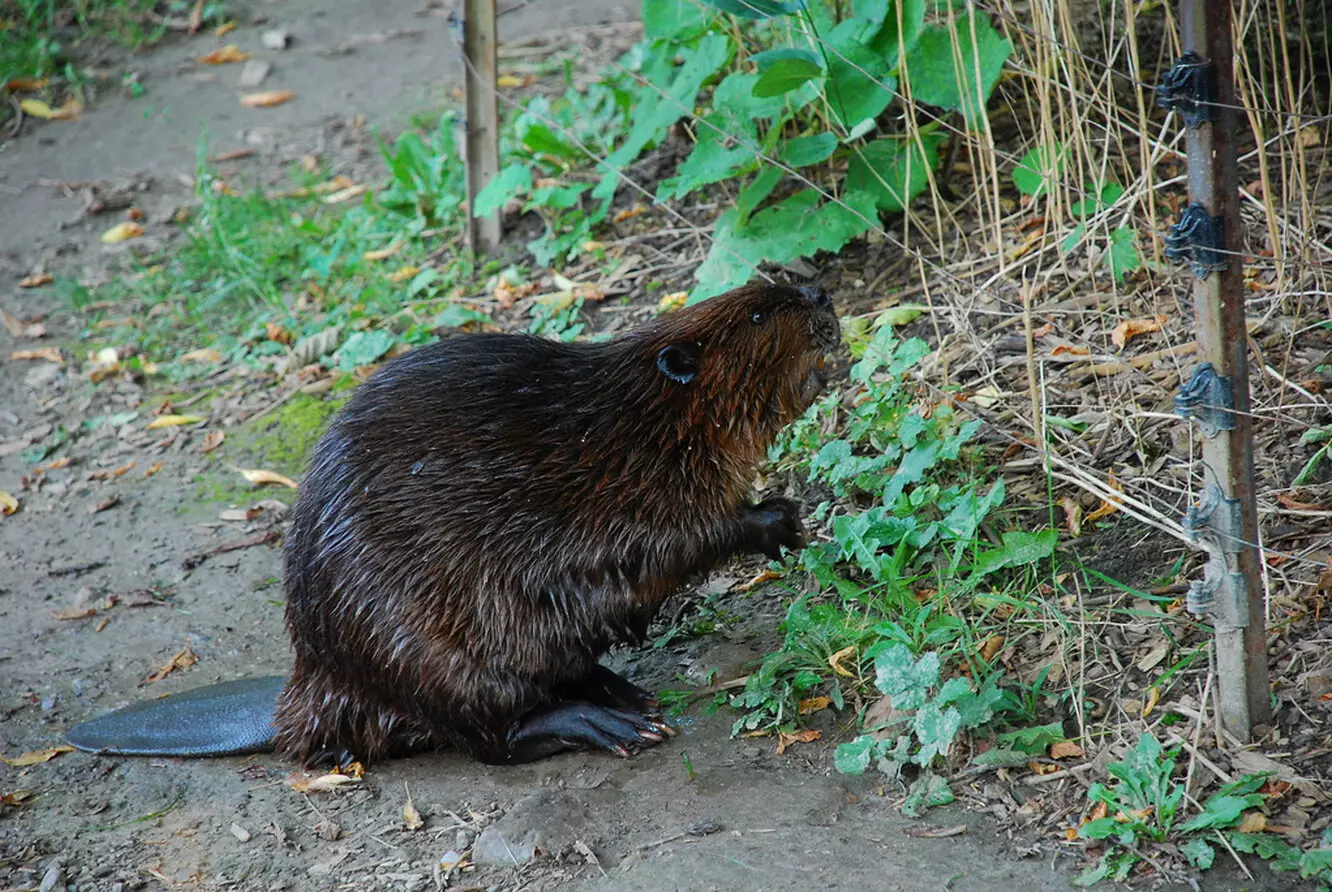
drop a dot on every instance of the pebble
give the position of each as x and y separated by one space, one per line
275 38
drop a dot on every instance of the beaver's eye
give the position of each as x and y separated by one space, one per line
758 317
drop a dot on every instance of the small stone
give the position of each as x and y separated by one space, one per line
240 832
275 38
253 73
544 822
53 878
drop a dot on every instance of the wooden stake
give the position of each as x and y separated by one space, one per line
480 49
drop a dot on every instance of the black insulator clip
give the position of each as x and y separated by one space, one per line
1200 239
1190 88
1209 399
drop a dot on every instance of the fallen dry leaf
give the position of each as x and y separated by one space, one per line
991 647
322 784
11 322
935 832
212 440
36 281
174 421
17 798
346 194
673 301
260 477
410 816
184 659
629 213
1072 515
49 354
403 274
1153 698
785 739
196 16
112 473
1254 822
1065 749
156 466
813 704
8 504
21 84
223 55
36 757
74 613
511 80
266 98
225 28
1070 350
38 109
1131 328
104 504
122 232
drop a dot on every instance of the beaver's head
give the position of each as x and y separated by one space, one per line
752 357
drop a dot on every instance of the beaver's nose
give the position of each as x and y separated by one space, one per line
816 296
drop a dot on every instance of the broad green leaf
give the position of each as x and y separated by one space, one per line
510 182
1035 740
1281 854
1018 549
936 729
859 86
1038 170
363 348
555 198
675 20
798 226
1074 238
456 315
1098 198
657 112
1122 256
897 37
958 73
757 190
1000 757
926 791
806 150
784 75
1222 811
755 9
894 171
905 679
854 757
1199 853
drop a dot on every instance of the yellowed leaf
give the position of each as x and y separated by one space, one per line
629 213
74 613
1072 515
224 29
1153 698
1107 507
38 109
223 55
382 253
205 354
212 440
17 798
673 301
991 646
49 354
153 469
8 504
174 421
346 194
1310 136
122 232
260 477
835 661
266 98
196 16
1254 822
1131 328
36 281
36 757
511 80
403 274
1070 350
987 397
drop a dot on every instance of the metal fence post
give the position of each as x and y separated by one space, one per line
1225 522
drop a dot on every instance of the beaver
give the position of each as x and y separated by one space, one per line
489 514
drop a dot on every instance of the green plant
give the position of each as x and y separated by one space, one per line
784 87
1142 805
931 717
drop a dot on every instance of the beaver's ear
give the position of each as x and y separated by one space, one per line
679 362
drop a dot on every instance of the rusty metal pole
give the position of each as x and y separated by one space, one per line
481 52
1225 522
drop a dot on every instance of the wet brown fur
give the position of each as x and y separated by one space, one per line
489 514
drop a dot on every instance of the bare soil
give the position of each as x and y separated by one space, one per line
703 811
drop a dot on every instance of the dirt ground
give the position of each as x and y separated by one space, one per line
703 811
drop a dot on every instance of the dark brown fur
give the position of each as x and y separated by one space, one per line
488 515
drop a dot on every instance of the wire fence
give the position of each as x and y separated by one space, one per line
1029 326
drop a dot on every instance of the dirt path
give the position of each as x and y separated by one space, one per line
701 812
